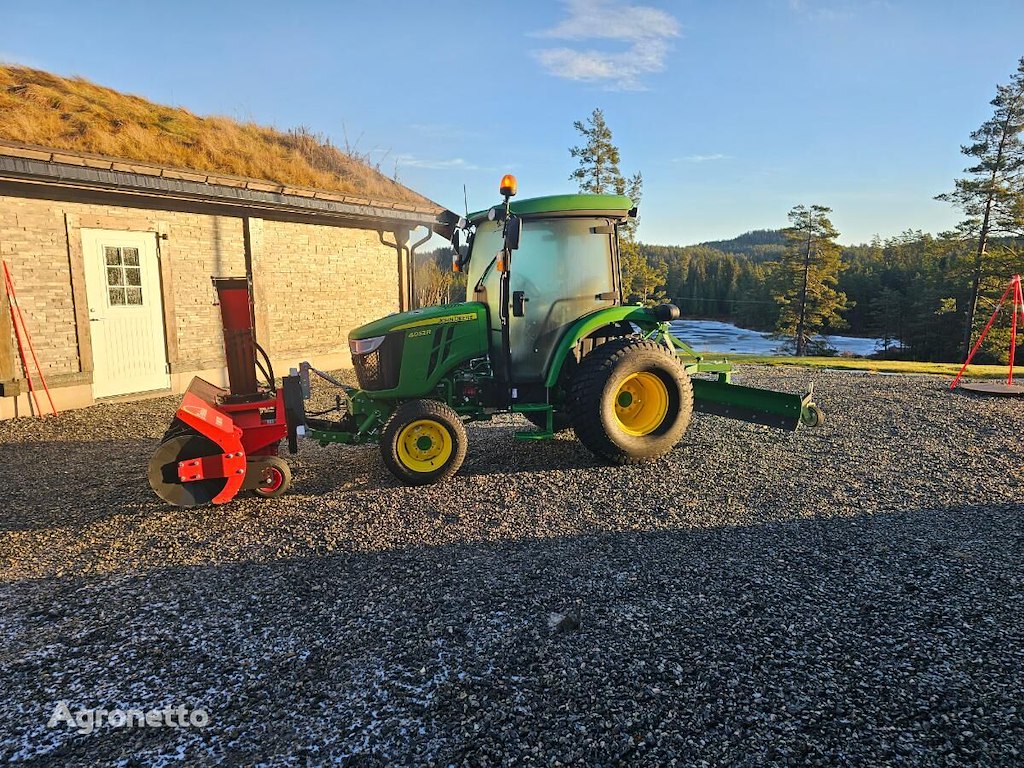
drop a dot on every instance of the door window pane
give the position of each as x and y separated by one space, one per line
124 276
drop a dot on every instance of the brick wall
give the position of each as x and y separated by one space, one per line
312 283
33 242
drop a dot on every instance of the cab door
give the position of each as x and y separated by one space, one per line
562 271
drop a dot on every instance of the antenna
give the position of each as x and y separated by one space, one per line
465 199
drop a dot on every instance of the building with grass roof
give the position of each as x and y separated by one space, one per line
115 213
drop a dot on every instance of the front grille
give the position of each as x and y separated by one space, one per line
381 368
368 370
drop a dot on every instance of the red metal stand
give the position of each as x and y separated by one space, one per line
13 296
1013 288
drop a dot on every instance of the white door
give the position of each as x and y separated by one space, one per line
126 316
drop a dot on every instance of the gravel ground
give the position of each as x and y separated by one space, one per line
849 595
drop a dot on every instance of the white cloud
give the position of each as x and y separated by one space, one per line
645 31
701 158
455 163
830 10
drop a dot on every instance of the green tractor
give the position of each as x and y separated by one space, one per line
545 334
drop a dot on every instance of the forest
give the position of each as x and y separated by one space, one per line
905 290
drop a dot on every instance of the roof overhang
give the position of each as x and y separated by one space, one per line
53 174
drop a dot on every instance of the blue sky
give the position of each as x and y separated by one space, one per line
733 111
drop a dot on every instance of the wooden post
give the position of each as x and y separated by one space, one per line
8 367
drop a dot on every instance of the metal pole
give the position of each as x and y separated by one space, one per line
9 281
982 337
1013 328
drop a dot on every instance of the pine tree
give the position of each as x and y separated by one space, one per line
806 276
992 196
598 174
642 277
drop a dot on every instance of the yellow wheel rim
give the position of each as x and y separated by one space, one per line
424 446
641 403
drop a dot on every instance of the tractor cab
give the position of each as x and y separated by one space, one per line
566 266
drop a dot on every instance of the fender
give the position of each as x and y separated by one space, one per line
587 324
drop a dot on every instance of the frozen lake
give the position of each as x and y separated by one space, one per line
716 336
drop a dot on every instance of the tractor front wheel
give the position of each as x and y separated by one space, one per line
631 401
424 442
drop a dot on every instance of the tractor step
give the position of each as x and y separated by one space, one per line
536 434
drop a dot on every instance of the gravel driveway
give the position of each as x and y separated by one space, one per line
850 595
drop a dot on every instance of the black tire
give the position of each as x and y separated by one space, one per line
813 416
603 378
279 478
440 457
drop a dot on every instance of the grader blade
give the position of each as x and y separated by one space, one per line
759 406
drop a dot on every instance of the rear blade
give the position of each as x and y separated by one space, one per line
759 406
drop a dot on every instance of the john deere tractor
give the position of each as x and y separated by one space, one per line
545 334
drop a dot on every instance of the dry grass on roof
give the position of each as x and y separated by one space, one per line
77 115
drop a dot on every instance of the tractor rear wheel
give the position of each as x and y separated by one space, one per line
631 401
424 442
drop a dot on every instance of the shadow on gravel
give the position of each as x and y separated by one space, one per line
47 484
891 639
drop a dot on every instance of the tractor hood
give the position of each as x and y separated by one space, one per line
420 318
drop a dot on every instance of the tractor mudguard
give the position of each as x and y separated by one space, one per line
641 316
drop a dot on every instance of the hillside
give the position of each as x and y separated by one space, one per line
759 244
77 115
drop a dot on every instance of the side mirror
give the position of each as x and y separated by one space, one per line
513 231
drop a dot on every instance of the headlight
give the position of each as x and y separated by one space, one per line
365 346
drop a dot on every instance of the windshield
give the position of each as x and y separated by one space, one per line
486 243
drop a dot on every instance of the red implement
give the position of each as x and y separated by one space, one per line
226 440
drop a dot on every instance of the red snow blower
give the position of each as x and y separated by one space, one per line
223 441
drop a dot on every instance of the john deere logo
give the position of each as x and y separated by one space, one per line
456 318
438 321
